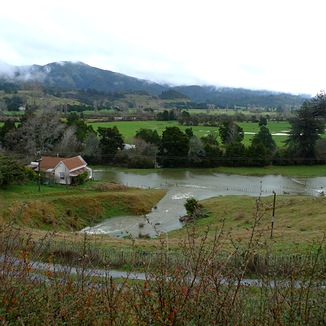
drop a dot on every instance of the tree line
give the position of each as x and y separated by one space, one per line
46 133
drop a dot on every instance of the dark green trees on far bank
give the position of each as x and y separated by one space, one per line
111 141
46 133
174 148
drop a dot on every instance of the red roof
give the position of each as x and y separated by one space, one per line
49 162
76 172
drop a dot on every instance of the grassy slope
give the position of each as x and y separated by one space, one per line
73 208
298 220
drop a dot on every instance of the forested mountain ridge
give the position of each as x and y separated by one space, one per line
227 96
77 75
80 76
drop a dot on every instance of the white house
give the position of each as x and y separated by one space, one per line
61 169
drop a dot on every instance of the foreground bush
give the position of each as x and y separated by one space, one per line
201 287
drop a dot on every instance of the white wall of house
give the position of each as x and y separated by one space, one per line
61 174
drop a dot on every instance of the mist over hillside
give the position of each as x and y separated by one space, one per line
78 75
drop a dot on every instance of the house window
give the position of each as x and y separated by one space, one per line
62 175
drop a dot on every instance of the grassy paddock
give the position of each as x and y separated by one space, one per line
299 221
128 128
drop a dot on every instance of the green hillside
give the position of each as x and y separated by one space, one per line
79 76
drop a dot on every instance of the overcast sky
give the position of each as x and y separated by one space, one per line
259 44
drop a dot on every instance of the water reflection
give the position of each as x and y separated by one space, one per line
182 184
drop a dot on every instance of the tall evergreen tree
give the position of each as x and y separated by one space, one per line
235 154
7 127
12 172
149 136
257 155
213 155
174 147
265 138
82 130
111 140
306 128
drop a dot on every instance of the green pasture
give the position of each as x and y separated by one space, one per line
129 128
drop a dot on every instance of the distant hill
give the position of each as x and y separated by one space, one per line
82 76
227 96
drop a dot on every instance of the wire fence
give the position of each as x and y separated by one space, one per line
255 262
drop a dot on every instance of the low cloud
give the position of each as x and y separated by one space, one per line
6 70
21 73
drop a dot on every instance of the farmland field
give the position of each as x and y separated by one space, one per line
129 128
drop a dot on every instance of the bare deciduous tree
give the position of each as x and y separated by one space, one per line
68 144
36 135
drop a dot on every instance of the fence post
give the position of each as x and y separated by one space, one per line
273 216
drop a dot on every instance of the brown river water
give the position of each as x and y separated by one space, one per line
183 184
